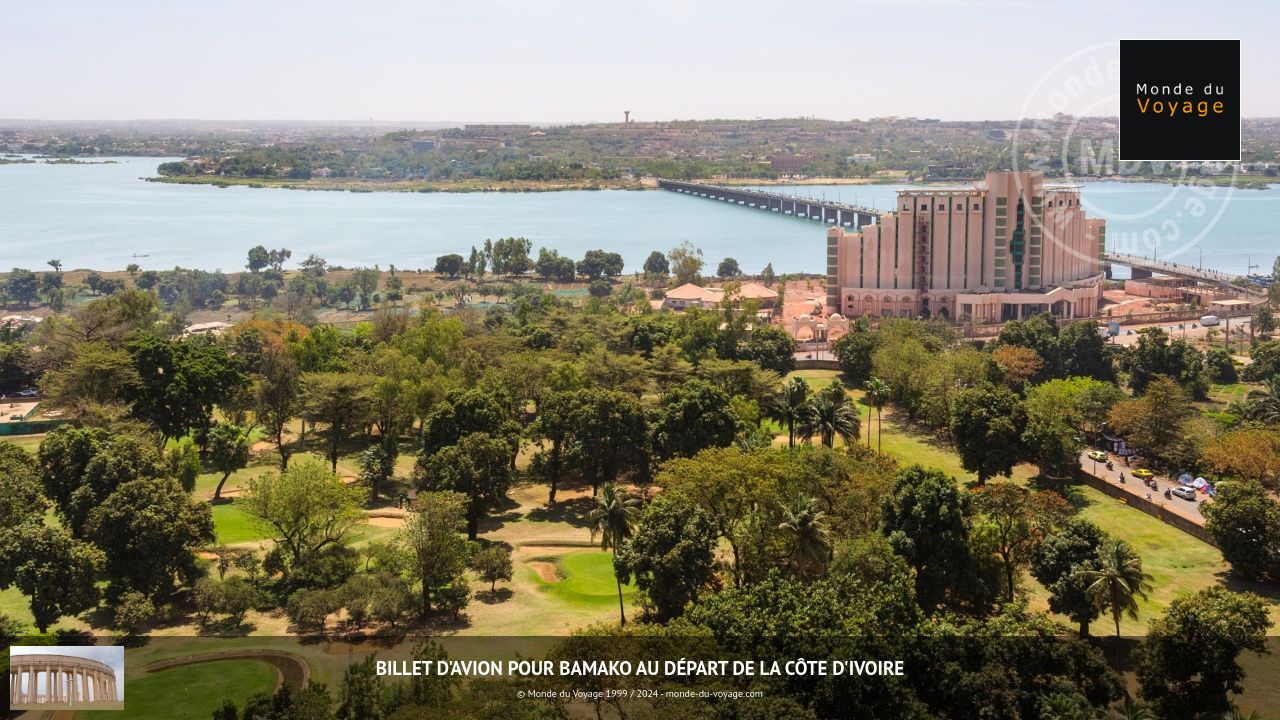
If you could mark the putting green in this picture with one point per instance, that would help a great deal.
(585, 578)
(233, 525)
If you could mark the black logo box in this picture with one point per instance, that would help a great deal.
(1190, 65)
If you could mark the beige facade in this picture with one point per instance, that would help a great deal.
(60, 679)
(690, 295)
(1005, 248)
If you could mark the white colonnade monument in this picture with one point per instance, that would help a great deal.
(60, 679)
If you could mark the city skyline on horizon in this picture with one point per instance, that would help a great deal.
(565, 61)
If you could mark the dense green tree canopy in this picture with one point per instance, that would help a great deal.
(694, 416)
(772, 348)
(461, 413)
(927, 521)
(150, 531)
(1245, 521)
(53, 569)
(181, 383)
(1061, 562)
(987, 425)
(1156, 355)
(21, 492)
(1189, 665)
(432, 534)
(82, 467)
(339, 400)
(307, 508)
(479, 467)
(671, 556)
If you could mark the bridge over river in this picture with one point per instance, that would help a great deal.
(830, 213)
(855, 216)
(1144, 267)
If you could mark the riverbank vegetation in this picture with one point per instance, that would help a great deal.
(597, 155)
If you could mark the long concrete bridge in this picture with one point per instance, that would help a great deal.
(1143, 267)
(830, 213)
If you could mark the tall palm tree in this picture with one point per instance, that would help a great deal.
(828, 418)
(1118, 583)
(790, 407)
(612, 518)
(1263, 404)
(877, 395)
(835, 391)
(806, 523)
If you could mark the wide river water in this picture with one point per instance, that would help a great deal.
(104, 216)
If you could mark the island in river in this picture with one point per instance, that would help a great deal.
(424, 186)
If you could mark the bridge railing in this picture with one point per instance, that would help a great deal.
(1176, 268)
(748, 192)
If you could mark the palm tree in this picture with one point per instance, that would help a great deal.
(828, 418)
(1263, 404)
(612, 517)
(806, 523)
(1118, 583)
(836, 392)
(790, 407)
(877, 395)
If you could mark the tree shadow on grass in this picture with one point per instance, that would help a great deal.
(896, 420)
(447, 624)
(100, 617)
(75, 637)
(1235, 582)
(226, 627)
(573, 512)
(507, 511)
(1071, 490)
(493, 597)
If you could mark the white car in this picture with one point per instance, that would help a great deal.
(1184, 492)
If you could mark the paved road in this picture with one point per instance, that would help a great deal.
(1239, 332)
(1133, 486)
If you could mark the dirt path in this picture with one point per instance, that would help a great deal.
(289, 668)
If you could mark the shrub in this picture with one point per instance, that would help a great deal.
(133, 611)
(493, 564)
(237, 598)
(310, 608)
(453, 598)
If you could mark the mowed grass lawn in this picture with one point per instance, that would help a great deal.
(553, 592)
(192, 691)
(233, 526)
(586, 579)
(1178, 563)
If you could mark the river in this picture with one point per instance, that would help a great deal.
(103, 216)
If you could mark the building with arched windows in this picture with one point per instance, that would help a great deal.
(1002, 249)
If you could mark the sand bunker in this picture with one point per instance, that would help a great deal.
(547, 572)
(387, 522)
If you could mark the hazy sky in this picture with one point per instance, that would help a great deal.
(580, 60)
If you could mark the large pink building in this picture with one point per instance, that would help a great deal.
(1005, 248)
